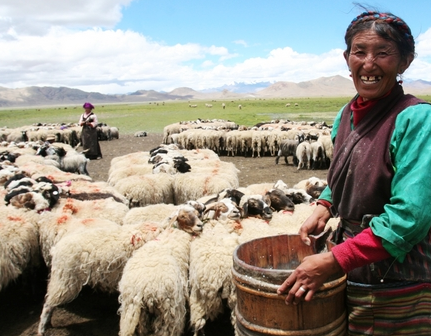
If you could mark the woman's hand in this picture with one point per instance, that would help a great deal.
(315, 224)
(308, 277)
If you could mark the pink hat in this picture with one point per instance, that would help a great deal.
(88, 105)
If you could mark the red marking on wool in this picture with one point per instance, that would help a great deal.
(62, 219)
(69, 206)
(237, 226)
(88, 221)
(14, 219)
(206, 182)
(135, 240)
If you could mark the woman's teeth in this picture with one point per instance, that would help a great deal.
(370, 79)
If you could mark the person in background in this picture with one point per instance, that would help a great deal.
(89, 141)
(379, 186)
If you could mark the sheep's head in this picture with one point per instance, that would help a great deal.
(233, 194)
(60, 151)
(279, 200)
(224, 210)
(186, 218)
(299, 196)
(200, 207)
(256, 206)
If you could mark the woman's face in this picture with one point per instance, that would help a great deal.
(87, 110)
(374, 63)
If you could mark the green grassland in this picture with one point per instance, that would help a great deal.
(152, 117)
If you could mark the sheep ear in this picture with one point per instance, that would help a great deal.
(267, 199)
(207, 210)
(173, 220)
(211, 200)
(245, 210)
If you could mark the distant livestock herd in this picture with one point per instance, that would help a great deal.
(68, 133)
(308, 143)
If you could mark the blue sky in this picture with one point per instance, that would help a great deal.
(120, 46)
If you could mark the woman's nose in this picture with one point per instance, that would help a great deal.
(369, 61)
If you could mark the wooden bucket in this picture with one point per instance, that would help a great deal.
(260, 266)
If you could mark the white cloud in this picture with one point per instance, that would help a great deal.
(36, 16)
(241, 42)
(41, 45)
(423, 44)
(115, 61)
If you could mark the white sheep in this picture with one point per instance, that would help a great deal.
(192, 186)
(142, 190)
(52, 227)
(253, 228)
(150, 212)
(97, 256)
(328, 147)
(116, 175)
(94, 257)
(72, 161)
(105, 208)
(19, 245)
(154, 286)
(210, 275)
(129, 160)
(303, 154)
(318, 155)
(115, 132)
(290, 222)
(56, 175)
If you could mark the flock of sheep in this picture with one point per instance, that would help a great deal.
(160, 232)
(309, 143)
(64, 133)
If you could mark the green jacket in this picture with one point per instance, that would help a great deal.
(407, 218)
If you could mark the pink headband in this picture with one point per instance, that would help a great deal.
(88, 105)
(389, 18)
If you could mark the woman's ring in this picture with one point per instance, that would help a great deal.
(303, 289)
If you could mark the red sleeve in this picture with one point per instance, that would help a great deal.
(363, 249)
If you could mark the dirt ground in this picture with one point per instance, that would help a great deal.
(94, 313)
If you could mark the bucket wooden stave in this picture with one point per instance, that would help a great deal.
(259, 267)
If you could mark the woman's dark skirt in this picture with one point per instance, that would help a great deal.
(90, 144)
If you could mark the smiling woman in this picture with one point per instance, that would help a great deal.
(383, 235)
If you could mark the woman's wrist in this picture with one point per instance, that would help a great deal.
(325, 203)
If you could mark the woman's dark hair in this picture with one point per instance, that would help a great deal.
(386, 25)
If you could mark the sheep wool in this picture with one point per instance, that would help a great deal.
(154, 287)
(104, 208)
(141, 190)
(116, 175)
(19, 245)
(53, 226)
(94, 257)
(210, 274)
(192, 186)
(152, 212)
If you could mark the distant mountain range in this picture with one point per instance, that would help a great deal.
(335, 86)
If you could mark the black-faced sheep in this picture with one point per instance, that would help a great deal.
(256, 206)
(75, 163)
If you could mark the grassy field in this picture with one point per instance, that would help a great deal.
(152, 117)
